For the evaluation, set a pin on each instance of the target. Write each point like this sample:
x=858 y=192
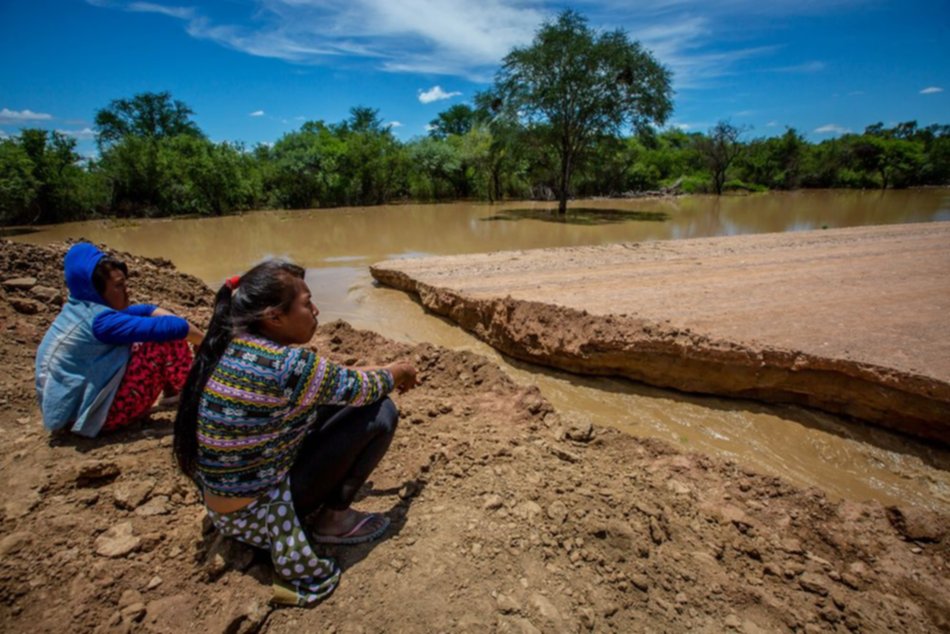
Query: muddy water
x=336 y=246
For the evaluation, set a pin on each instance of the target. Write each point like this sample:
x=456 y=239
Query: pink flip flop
x=351 y=536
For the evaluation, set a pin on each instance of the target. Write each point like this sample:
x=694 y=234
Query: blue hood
x=80 y=262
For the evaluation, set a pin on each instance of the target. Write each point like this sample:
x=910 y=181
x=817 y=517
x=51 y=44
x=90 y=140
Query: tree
x=150 y=115
x=720 y=148
x=456 y=120
x=580 y=85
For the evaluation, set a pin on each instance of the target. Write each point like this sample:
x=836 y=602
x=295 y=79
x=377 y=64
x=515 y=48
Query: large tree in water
x=574 y=84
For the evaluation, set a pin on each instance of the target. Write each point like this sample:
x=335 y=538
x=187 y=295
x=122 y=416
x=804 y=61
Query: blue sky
x=253 y=70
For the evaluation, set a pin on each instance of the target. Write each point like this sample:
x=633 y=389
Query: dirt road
x=853 y=321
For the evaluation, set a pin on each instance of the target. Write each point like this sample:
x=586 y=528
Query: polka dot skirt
x=302 y=577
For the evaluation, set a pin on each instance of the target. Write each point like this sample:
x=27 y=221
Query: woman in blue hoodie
x=104 y=362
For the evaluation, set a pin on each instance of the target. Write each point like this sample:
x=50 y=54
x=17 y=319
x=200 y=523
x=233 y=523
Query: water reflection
x=580 y=216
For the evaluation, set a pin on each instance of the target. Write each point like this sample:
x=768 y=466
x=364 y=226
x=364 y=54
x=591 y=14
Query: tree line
x=576 y=113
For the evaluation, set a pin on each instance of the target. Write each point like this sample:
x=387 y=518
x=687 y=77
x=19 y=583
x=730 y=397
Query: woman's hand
x=404 y=376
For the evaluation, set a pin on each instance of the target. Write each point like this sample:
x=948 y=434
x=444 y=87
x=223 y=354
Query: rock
x=507 y=605
x=732 y=621
x=133 y=613
x=26 y=306
x=810 y=582
x=19 y=283
x=678 y=487
x=13 y=543
x=118 y=541
x=640 y=582
x=95 y=472
x=249 y=618
x=580 y=431
x=557 y=511
x=657 y=534
x=409 y=490
x=129 y=597
x=565 y=455
x=917 y=524
x=492 y=502
x=131 y=494
x=528 y=510
x=158 y=505
x=154 y=583
x=545 y=607
x=20 y=507
x=47 y=295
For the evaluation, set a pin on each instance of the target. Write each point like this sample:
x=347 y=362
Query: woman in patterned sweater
x=273 y=433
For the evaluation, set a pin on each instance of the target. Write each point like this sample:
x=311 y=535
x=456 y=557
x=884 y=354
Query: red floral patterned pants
x=153 y=368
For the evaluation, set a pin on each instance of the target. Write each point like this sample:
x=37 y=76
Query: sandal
x=352 y=536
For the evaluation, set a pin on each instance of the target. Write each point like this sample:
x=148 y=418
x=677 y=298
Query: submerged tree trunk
x=565 y=183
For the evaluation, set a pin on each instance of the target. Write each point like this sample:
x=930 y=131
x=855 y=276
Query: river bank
x=507 y=517
x=846 y=320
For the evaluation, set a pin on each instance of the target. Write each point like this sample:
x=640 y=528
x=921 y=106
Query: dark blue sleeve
x=121 y=328
x=140 y=310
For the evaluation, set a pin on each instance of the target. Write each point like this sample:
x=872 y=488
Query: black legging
x=339 y=453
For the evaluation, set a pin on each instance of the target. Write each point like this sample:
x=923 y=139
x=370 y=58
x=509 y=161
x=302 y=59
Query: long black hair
x=238 y=309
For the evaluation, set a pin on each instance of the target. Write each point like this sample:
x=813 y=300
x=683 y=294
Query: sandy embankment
x=505 y=518
x=852 y=321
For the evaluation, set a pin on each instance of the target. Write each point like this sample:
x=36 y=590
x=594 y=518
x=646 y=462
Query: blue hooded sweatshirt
x=82 y=358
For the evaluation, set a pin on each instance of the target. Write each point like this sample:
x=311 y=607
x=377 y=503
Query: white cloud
x=832 y=128
x=4 y=135
x=257 y=113
x=19 y=116
x=436 y=94
x=85 y=133
x=395 y=124
x=931 y=90
x=182 y=13
x=469 y=39
x=771 y=124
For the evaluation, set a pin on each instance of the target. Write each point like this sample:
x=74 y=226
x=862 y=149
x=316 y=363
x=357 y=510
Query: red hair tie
x=232 y=282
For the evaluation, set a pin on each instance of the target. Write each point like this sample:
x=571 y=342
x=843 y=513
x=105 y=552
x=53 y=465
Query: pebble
x=158 y=505
x=810 y=582
x=118 y=541
x=732 y=621
x=154 y=583
x=130 y=495
x=492 y=502
x=20 y=283
x=507 y=604
x=557 y=511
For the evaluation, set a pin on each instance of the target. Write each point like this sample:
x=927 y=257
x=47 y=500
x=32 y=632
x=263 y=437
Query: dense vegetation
x=573 y=114
x=465 y=156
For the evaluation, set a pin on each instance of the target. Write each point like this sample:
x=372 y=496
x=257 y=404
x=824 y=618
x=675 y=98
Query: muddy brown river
x=807 y=447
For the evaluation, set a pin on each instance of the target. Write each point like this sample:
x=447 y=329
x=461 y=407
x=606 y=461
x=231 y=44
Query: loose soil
x=853 y=321
x=506 y=517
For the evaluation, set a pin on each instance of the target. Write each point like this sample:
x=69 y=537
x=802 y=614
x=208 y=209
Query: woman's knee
x=388 y=415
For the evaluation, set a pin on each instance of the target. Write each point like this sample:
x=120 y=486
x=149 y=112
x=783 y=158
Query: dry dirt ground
x=854 y=321
x=505 y=517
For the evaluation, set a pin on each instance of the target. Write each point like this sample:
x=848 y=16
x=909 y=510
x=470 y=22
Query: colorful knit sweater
x=258 y=405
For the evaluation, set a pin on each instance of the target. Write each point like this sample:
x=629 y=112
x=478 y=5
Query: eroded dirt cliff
x=852 y=321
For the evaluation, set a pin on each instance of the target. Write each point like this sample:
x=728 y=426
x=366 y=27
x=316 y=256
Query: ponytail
x=206 y=359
